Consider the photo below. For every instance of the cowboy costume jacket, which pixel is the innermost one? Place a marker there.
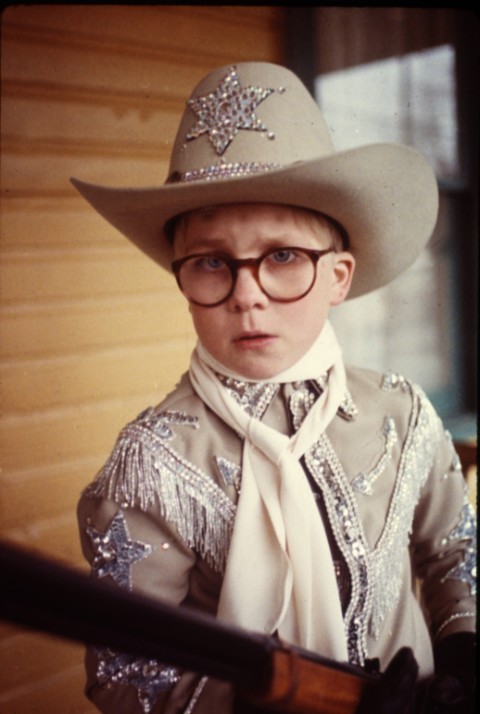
(389, 486)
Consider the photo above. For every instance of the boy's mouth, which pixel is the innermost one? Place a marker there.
(251, 338)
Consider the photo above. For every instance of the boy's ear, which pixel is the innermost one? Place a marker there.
(342, 276)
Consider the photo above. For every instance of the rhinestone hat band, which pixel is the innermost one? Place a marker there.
(221, 114)
(221, 171)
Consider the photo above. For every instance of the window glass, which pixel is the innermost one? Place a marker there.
(408, 325)
(407, 100)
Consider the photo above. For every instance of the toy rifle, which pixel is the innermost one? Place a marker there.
(47, 596)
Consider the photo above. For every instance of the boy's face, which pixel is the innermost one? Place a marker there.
(251, 334)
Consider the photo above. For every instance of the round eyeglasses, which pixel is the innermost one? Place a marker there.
(283, 274)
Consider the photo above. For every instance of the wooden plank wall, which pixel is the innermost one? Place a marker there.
(91, 332)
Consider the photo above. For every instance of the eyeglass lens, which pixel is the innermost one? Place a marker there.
(283, 274)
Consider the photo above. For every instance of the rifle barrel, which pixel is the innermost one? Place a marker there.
(44, 595)
(51, 597)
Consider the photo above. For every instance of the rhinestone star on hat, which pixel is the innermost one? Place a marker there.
(222, 113)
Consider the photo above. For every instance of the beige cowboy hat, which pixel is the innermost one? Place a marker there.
(253, 133)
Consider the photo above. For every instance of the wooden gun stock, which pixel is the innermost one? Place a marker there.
(50, 597)
(301, 685)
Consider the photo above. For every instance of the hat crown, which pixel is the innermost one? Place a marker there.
(246, 118)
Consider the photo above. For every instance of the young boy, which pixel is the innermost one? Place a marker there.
(274, 487)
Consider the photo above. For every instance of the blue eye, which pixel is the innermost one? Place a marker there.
(210, 263)
(283, 256)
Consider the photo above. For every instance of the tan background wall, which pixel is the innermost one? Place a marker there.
(91, 332)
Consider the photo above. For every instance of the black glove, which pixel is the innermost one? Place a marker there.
(394, 693)
(452, 688)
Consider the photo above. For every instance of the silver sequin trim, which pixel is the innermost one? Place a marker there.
(160, 422)
(306, 394)
(348, 408)
(253, 397)
(145, 471)
(196, 695)
(230, 472)
(344, 519)
(392, 380)
(363, 483)
(147, 676)
(375, 575)
(415, 464)
(466, 529)
(456, 463)
(301, 401)
(452, 618)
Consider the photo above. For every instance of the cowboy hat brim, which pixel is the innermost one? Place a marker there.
(384, 195)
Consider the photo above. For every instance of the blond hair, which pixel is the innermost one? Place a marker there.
(314, 220)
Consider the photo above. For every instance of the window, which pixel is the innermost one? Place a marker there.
(391, 75)
(408, 99)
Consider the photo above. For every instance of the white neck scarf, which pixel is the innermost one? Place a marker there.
(279, 574)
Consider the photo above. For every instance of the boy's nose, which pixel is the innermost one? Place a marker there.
(247, 293)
